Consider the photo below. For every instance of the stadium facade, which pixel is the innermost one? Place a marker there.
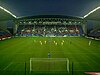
(6, 19)
(50, 25)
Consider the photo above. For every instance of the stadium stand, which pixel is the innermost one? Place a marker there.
(95, 33)
(52, 30)
(4, 35)
(50, 25)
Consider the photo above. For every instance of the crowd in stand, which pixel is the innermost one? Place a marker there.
(4, 35)
(71, 30)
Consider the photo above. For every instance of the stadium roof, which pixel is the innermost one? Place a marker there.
(5, 14)
(94, 14)
(50, 16)
(21, 8)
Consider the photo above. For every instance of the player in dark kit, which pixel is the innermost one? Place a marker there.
(49, 55)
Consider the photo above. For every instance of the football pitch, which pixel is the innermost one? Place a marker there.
(15, 54)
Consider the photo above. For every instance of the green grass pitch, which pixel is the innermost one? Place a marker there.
(15, 54)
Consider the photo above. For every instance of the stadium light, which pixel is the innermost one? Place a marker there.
(92, 12)
(8, 12)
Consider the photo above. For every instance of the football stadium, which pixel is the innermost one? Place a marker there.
(48, 44)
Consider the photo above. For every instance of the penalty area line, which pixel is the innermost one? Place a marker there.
(8, 66)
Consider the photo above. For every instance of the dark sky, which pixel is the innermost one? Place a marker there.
(49, 7)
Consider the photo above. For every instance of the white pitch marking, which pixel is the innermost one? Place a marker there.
(8, 66)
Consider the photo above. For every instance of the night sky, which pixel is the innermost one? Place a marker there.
(50, 7)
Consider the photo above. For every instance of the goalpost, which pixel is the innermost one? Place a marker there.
(49, 65)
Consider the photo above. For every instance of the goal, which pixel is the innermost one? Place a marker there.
(49, 65)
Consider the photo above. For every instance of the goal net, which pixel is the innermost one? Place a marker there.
(49, 65)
